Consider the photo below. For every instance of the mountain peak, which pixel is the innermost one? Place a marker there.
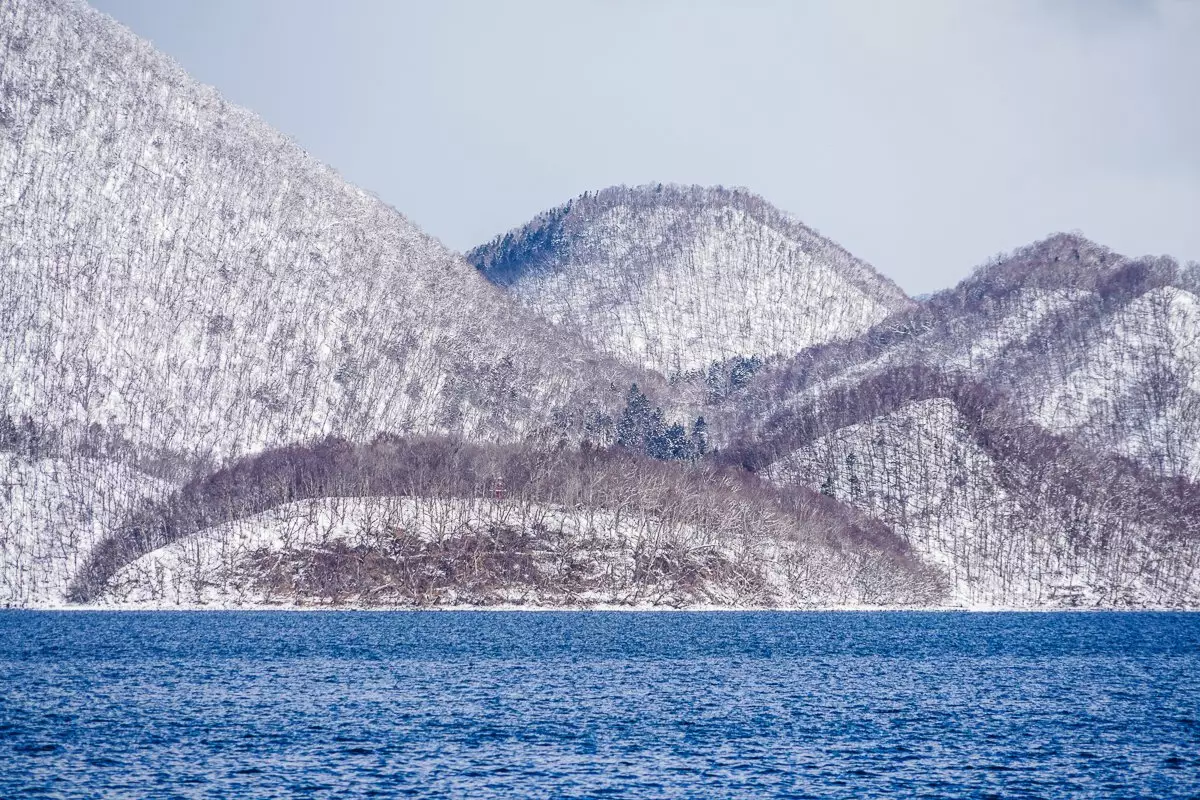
(1060, 260)
(676, 277)
(207, 287)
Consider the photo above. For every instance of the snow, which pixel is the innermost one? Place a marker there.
(223, 566)
(920, 470)
(178, 280)
(177, 272)
(673, 279)
(52, 512)
(1134, 385)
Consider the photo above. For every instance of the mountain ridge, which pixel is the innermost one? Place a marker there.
(227, 376)
(276, 301)
(1030, 322)
(675, 278)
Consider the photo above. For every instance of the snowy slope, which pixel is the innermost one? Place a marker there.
(180, 275)
(52, 512)
(675, 278)
(445, 551)
(1008, 527)
(1130, 383)
(992, 424)
(1089, 343)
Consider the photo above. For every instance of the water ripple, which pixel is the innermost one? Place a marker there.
(599, 705)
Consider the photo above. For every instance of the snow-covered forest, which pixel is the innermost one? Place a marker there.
(176, 276)
(1015, 515)
(228, 377)
(674, 278)
(1088, 343)
(431, 521)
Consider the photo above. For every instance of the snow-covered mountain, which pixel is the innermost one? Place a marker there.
(675, 278)
(1016, 516)
(1034, 430)
(1089, 343)
(227, 376)
(177, 276)
(180, 285)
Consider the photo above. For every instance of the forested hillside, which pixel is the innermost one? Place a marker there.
(1016, 515)
(181, 284)
(175, 275)
(1033, 430)
(1091, 344)
(436, 521)
(229, 378)
(675, 278)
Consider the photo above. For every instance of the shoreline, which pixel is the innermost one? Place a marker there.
(603, 608)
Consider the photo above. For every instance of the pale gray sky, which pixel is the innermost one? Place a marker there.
(923, 136)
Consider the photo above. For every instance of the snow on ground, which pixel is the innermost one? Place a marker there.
(920, 471)
(676, 278)
(1135, 386)
(972, 345)
(179, 274)
(52, 512)
(576, 556)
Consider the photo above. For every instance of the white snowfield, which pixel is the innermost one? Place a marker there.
(676, 278)
(919, 470)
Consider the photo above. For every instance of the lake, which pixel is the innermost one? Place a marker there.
(603, 704)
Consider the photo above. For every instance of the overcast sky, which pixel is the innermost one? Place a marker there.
(922, 136)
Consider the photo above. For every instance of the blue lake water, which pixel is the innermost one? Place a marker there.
(534, 705)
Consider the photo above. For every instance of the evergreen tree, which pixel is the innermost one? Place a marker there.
(643, 427)
(9, 435)
(636, 420)
(669, 443)
(699, 437)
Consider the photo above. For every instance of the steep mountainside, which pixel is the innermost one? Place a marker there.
(676, 278)
(175, 275)
(1089, 343)
(181, 286)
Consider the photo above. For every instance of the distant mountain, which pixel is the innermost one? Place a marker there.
(1016, 516)
(675, 278)
(1034, 430)
(1089, 343)
(177, 276)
